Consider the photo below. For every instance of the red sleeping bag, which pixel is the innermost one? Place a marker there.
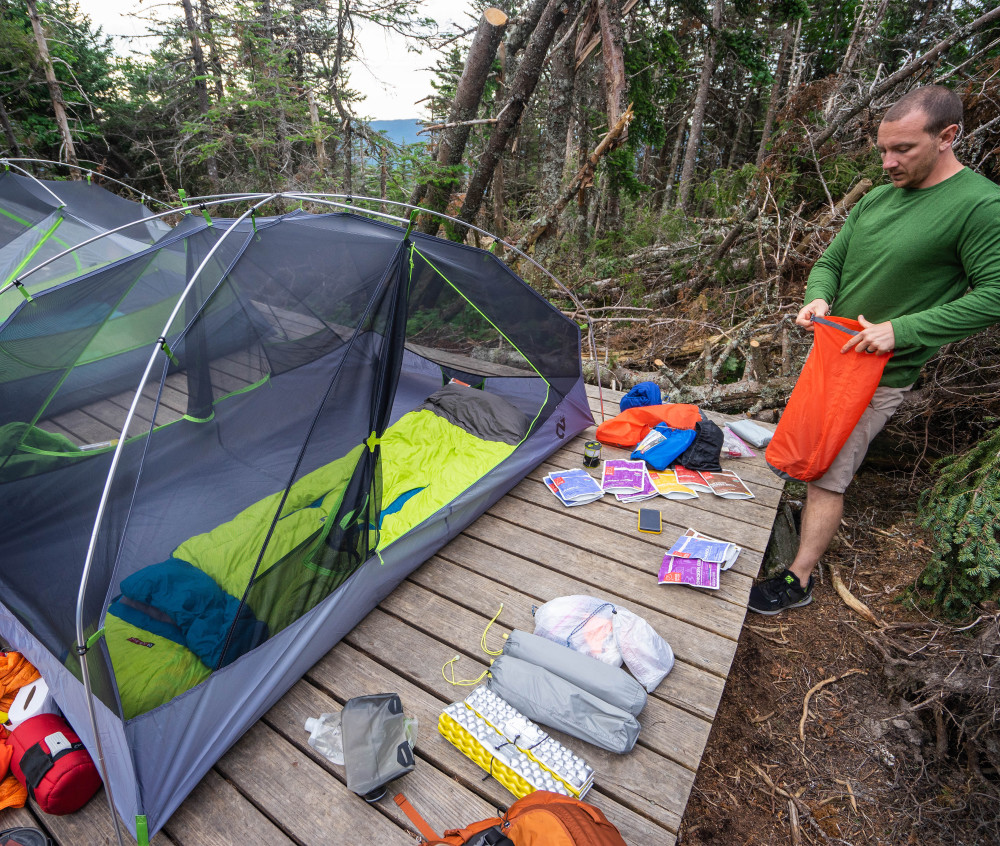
(633, 424)
(826, 404)
(50, 761)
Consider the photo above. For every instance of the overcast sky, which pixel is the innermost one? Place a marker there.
(395, 81)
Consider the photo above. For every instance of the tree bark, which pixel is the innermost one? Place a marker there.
(609, 13)
(468, 93)
(317, 127)
(213, 48)
(8, 131)
(775, 98)
(675, 157)
(200, 85)
(700, 104)
(556, 149)
(55, 91)
(522, 87)
(586, 173)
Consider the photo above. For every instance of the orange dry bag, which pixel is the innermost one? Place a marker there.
(633, 424)
(826, 404)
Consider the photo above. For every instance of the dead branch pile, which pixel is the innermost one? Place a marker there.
(949, 680)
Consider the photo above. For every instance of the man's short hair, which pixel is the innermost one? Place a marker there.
(942, 106)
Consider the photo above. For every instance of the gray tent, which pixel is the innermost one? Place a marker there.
(44, 222)
(259, 497)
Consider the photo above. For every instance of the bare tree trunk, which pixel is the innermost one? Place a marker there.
(610, 141)
(8, 131)
(775, 98)
(499, 200)
(317, 127)
(55, 91)
(213, 48)
(522, 87)
(609, 15)
(468, 93)
(200, 86)
(347, 147)
(675, 157)
(557, 132)
(700, 104)
(383, 177)
(520, 31)
(862, 31)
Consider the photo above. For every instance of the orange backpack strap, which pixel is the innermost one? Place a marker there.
(425, 830)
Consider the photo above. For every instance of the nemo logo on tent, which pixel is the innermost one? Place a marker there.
(561, 427)
(138, 642)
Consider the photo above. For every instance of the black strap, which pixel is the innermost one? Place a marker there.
(833, 325)
(36, 762)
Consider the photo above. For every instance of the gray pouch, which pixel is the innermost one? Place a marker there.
(375, 746)
(612, 684)
(753, 434)
(545, 698)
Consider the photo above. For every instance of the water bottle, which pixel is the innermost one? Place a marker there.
(325, 736)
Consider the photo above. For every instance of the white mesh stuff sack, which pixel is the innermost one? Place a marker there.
(583, 623)
(647, 655)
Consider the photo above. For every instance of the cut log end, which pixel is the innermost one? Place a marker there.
(495, 17)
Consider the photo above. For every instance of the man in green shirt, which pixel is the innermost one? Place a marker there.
(917, 264)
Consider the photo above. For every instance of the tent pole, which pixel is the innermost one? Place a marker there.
(89, 172)
(82, 644)
(75, 247)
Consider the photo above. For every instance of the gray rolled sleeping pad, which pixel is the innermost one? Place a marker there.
(375, 747)
(612, 684)
(545, 698)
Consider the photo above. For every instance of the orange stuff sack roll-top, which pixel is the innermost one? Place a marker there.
(826, 404)
(633, 424)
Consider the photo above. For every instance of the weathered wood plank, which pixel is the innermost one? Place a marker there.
(676, 735)
(623, 520)
(345, 672)
(85, 428)
(310, 806)
(428, 612)
(90, 825)
(616, 567)
(215, 814)
(441, 798)
(620, 777)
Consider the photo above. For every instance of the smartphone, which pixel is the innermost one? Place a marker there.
(649, 520)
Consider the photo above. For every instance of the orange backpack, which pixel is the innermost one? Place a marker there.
(538, 819)
(826, 404)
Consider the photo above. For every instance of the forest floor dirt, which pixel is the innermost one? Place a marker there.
(867, 772)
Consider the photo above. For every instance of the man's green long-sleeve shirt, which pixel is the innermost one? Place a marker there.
(927, 259)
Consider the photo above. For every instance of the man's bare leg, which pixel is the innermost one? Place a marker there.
(820, 521)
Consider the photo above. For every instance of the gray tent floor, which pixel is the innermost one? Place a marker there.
(272, 789)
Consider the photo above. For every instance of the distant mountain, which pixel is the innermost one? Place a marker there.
(401, 131)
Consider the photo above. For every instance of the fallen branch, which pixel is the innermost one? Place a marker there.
(457, 123)
(850, 600)
(817, 687)
(608, 143)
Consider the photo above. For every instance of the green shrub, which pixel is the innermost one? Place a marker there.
(961, 509)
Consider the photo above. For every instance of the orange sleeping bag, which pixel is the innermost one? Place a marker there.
(826, 404)
(633, 424)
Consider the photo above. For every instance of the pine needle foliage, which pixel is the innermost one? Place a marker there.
(962, 509)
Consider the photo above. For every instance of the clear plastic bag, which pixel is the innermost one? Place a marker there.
(733, 446)
(583, 623)
(647, 655)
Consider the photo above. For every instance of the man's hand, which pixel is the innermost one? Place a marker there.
(873, 338)
(817, 308)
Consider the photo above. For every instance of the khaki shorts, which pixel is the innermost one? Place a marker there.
(848, 460)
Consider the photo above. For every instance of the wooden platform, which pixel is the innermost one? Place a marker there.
(272, 789)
